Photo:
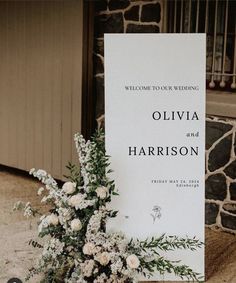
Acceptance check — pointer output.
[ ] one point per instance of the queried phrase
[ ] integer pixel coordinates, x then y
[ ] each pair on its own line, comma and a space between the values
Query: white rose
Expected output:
76, 200
132, 261
88, 248
103, 258
76, 225
69, 188
102, 192
52, 219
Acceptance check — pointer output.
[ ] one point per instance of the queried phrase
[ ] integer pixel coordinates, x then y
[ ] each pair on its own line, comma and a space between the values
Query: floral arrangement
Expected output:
77, 247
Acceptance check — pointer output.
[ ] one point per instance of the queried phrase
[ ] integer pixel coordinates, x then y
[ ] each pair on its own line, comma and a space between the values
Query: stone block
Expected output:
228, 221
118, 4
215, 130
112, 23
232, 191
216, 187
132, 28
230, 207
230, 170
132, 14
151, 13
100, 5
220, 154
212, 210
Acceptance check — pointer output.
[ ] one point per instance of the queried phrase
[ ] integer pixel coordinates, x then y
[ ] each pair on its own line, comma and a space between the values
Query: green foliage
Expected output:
63, 250
170, 243
74, 173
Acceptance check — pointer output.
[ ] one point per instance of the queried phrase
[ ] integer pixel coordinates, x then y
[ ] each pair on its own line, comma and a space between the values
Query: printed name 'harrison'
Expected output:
175, 115
163, 151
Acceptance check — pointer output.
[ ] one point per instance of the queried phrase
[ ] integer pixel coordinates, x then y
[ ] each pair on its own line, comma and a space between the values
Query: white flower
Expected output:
52, 219
102, 192
116, 266
103, 258
40, 190
69, 188
64, 215
32, 170
132, 261
45, 178
42, 172
102, 278
88, 248
76, 200
76, 225
87, 267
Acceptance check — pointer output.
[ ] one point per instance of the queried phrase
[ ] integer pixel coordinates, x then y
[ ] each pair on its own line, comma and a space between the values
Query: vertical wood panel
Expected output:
30, 94
21, 79
57, 92
37, 70
66, 87
3, 84
12, 83
40, 86
47, 84
7, 87
77, 77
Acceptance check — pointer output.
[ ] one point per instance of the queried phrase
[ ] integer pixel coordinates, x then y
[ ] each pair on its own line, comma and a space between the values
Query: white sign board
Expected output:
155, 134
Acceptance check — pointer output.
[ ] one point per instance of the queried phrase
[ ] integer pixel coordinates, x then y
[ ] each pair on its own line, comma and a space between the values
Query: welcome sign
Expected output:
155, 135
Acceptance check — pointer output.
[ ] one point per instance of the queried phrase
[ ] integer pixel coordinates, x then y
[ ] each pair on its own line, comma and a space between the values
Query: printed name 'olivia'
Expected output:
174, 115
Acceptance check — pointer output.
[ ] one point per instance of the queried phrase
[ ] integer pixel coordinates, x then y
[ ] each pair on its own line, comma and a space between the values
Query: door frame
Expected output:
88, 93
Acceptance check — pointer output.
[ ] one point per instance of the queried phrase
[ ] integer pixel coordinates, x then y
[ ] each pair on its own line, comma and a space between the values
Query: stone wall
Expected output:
127, 16
221, 173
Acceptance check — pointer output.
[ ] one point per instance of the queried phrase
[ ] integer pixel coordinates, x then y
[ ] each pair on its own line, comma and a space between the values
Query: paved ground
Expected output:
16, 256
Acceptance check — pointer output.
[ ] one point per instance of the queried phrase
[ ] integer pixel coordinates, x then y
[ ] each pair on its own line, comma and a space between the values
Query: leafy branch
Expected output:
170, 243
163, 265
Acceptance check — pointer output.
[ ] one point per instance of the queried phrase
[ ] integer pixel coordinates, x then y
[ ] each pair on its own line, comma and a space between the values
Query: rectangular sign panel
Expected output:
155, 134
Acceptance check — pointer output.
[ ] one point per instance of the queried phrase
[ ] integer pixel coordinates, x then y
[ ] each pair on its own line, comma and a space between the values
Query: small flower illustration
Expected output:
156, 213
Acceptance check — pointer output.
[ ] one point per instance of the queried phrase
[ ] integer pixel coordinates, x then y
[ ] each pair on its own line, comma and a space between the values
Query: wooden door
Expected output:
40, 83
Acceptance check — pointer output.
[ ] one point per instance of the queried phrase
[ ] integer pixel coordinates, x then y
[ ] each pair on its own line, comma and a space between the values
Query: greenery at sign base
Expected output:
76, 248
